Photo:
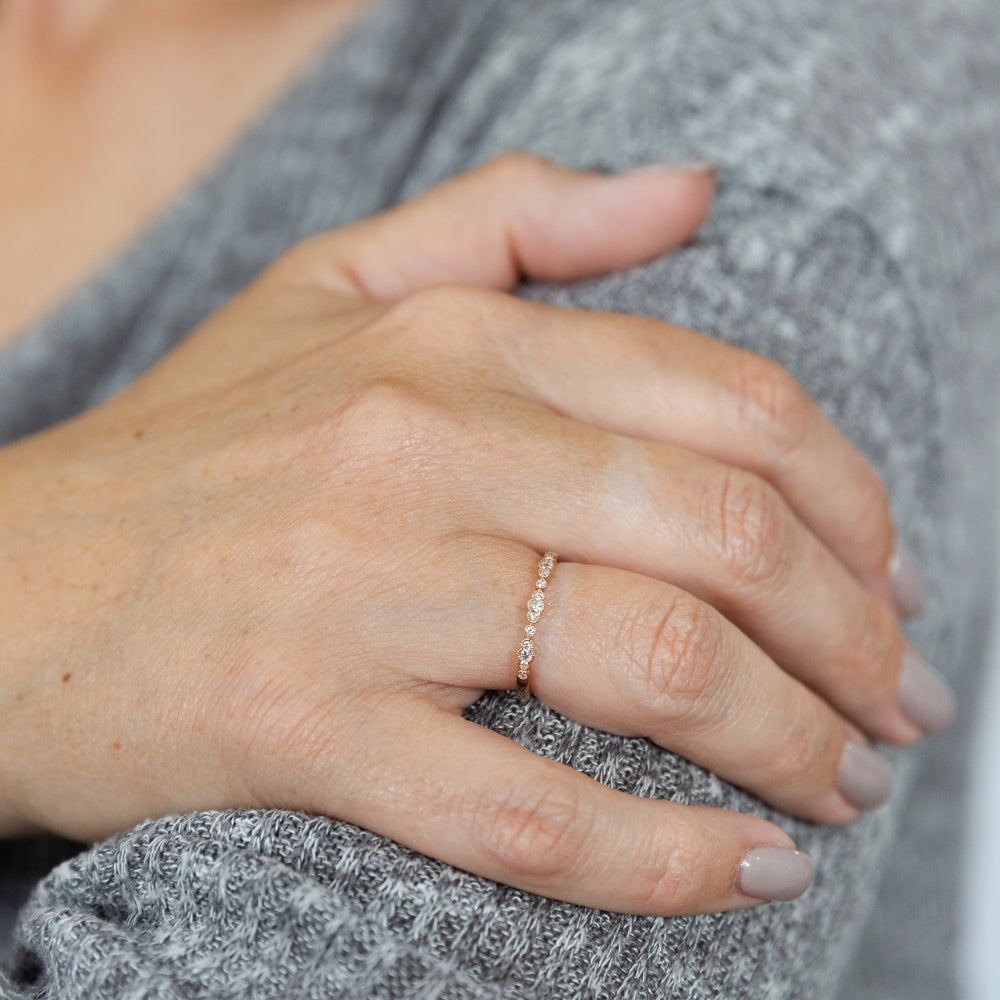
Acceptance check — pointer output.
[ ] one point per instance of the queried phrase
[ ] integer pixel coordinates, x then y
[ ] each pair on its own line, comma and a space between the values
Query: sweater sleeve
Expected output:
854, 241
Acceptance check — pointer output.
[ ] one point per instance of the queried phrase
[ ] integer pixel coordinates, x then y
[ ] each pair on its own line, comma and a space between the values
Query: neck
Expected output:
105, 100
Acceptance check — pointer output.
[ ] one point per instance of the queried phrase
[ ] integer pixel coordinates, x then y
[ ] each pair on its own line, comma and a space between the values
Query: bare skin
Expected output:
96, 163
234, 584
276, 569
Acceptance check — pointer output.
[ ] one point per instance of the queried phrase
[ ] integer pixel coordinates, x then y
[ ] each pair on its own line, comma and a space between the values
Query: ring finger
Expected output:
719, 533
630, 655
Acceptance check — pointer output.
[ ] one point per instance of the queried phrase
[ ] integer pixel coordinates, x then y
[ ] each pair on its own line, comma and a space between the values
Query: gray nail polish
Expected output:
775, 873
924, 695
904, 578
865, 777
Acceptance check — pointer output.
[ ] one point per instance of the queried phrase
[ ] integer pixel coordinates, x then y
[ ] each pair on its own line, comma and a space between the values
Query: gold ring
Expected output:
536, 605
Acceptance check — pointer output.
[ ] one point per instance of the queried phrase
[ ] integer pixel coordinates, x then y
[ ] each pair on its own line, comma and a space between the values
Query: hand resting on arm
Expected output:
276, 569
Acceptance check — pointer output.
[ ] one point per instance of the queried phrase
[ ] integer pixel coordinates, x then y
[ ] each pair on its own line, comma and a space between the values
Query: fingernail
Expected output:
925, 696
775, 873
904, 578
865, 777
680, 167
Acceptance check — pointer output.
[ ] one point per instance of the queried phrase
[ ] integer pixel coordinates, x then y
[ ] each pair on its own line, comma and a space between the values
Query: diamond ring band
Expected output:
536, 605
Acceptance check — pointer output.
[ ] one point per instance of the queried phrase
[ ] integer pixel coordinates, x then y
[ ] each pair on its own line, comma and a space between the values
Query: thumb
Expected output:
516, 217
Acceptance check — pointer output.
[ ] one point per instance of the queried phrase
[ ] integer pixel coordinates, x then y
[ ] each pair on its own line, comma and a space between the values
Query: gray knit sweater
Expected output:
856, 238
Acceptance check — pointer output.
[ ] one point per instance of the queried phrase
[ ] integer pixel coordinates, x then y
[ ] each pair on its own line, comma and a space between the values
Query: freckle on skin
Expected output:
116, 745
66, 678
138, 433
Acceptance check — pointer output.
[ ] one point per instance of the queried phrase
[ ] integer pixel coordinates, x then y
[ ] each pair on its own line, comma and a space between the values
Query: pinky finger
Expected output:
481, 802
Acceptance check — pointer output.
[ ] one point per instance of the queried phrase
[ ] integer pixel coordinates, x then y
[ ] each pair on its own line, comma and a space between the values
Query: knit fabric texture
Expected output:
855, 238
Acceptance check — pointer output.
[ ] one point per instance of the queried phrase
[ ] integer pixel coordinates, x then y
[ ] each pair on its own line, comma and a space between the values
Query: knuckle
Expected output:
672, 656
807, 754
874, 520
443, 321
516, 168
753, 531
869, 652
669, 882
774, 406
432, 304
389, 418
539, 829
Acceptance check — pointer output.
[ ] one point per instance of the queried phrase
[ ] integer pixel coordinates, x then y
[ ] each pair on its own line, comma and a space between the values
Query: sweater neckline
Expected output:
172, 214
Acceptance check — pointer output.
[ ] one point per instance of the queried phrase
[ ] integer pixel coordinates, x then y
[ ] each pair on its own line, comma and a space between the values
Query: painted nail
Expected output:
681, 167
864, 777
774, 873
904, 578
925, 696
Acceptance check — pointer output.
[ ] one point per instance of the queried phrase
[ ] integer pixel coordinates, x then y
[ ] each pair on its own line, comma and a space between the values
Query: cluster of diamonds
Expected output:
536, 605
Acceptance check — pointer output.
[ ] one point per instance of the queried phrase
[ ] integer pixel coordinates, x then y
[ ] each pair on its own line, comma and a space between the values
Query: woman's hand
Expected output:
275, 570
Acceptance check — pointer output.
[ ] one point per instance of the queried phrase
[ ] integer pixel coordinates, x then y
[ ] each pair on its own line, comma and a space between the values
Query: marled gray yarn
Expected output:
856, 238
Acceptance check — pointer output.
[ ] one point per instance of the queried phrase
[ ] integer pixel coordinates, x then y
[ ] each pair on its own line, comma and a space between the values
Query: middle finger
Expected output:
721, 534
